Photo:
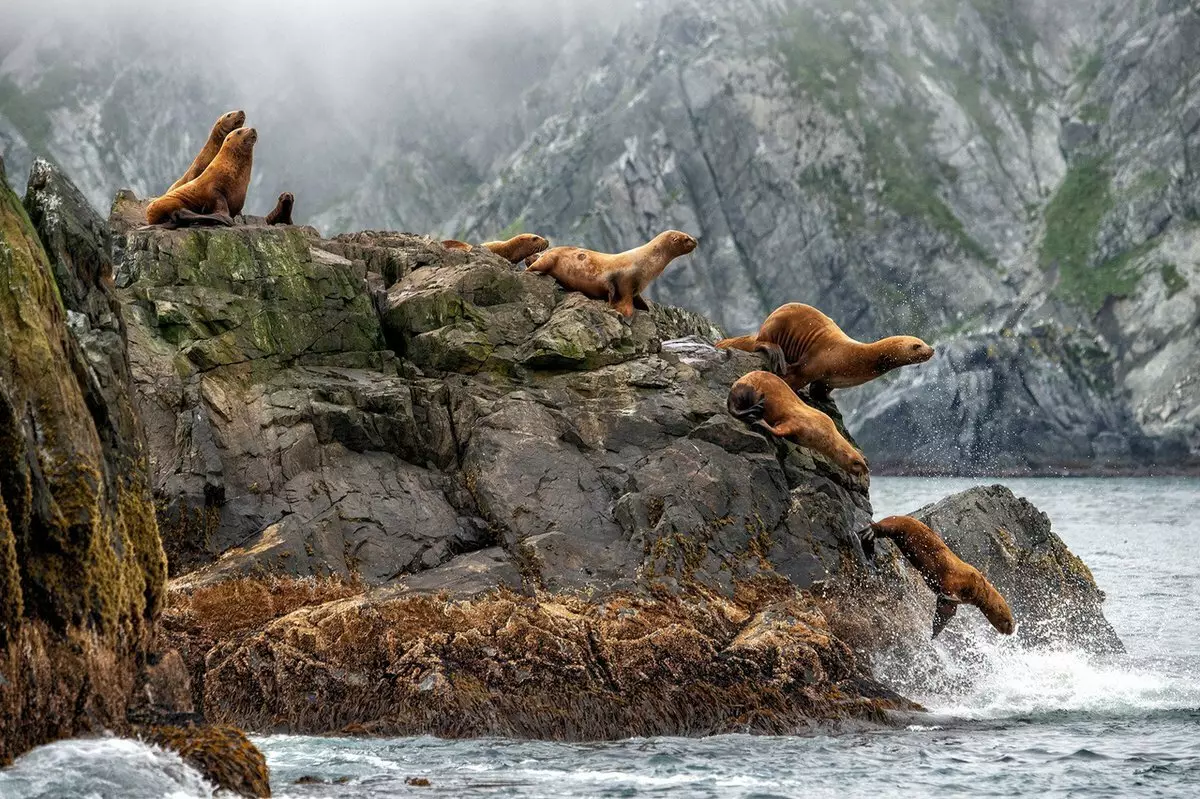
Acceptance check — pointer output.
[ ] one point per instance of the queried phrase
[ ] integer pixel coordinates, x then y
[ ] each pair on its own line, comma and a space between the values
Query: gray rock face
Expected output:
1051, 592
1041, 401
508, 412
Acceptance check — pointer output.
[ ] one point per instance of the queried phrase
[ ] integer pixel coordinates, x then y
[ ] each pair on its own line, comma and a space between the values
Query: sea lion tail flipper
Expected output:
746, 403
640, 303
185, 218
744, 343
946, 608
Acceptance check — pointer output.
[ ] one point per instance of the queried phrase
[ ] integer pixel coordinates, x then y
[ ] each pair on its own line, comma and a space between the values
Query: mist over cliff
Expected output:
1012, 180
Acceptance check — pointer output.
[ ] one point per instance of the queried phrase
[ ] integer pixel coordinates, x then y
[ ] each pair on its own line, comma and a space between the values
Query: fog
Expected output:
335, 88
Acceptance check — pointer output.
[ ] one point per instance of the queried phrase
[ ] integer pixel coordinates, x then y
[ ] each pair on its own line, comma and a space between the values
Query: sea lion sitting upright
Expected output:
619, 278
218, 194
763, 399
952, 579
518, 248
282, 214
807, 347
225, 125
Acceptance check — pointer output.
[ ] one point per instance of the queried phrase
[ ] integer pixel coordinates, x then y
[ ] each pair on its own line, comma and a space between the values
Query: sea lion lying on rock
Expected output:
953, 580
218, 194
619, 278
807, 348
763, 399
225, 125
519, 248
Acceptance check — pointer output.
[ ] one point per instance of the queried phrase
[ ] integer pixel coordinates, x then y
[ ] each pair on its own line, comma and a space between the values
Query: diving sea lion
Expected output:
619, 278
952, 579
518, 248
763, 399
218, 194
807, 347
225, 125
282, 215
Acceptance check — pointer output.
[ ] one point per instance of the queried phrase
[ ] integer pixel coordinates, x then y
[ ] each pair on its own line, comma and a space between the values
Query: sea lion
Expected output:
458, 246
225, 125
806, 347
619, 278
518, 248
218, 194
953, 580
763, 399
282, 215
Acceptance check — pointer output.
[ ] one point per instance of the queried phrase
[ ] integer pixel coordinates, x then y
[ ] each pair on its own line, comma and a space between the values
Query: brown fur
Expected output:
225, 125
218, 194
947, 575
619, 278
282, 215
459, 246
807, 347
764, 399
518, 248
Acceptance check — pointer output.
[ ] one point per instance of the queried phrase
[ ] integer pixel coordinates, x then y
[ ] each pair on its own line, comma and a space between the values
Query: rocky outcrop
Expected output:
886, 613
224, 755
82, 572
1033, 402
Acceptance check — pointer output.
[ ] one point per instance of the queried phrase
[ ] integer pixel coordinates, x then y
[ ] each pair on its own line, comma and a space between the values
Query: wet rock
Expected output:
82, 573
1051, 591
224, 755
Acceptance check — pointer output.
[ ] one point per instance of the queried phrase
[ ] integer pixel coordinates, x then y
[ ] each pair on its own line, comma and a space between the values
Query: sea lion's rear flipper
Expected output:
776, 360
639, 302
186, 218
946, 608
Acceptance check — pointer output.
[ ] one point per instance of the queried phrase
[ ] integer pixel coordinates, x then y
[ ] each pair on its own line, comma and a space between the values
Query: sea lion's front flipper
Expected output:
639, 302
866, 537
946, 608
776, 360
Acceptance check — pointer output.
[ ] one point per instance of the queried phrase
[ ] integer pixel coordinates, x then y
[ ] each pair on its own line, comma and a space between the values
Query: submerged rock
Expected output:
223, 755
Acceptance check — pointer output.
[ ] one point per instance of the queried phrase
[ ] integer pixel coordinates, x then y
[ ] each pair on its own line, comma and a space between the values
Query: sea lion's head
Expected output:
984, 596
677, 242
228, 123
241, 140
527, 245
898, 351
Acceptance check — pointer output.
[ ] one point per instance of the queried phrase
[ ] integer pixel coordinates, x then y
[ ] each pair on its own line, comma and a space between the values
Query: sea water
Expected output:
1003, 721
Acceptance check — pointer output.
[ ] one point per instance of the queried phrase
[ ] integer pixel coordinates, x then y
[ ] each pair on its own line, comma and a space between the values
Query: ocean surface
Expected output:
1004, 722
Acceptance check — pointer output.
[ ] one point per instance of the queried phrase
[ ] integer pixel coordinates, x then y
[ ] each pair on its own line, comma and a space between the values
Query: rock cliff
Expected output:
83, 569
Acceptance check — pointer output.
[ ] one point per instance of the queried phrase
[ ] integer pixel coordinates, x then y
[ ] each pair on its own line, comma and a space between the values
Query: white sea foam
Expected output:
91, 768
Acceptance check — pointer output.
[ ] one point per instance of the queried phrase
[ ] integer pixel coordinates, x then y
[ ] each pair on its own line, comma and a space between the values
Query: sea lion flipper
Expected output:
639, 302
776, 360
946, 608
185, 218
866, 537
622, 291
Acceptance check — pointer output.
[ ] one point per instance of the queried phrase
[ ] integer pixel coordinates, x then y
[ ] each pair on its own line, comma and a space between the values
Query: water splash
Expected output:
86, 768
980, 676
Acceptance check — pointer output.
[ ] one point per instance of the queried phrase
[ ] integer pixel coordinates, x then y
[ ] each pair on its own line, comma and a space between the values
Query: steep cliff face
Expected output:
922, 167
83, 572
